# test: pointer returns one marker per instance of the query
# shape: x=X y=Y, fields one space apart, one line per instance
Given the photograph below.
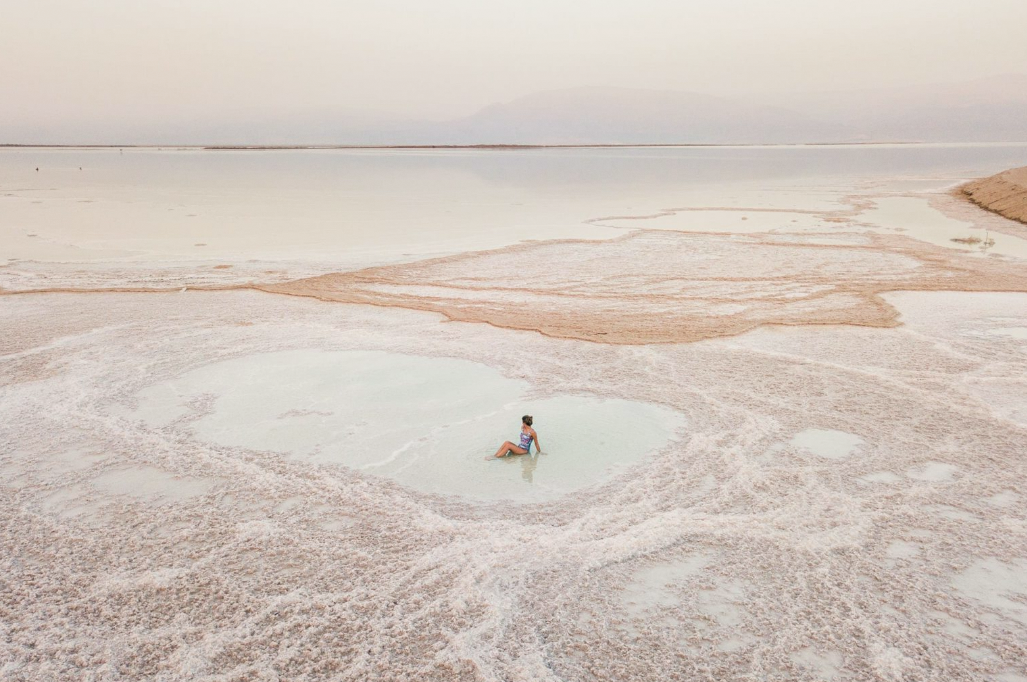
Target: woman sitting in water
x=527 y=435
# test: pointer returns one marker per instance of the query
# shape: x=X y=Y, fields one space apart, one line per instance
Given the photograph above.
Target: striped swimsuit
x=526 y=441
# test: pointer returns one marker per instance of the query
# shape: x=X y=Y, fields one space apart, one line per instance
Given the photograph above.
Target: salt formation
x=660 y=287
x=826 y=483
x=253 y=562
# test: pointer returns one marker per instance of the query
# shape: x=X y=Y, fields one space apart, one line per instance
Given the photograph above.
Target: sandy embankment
x=1004 y=193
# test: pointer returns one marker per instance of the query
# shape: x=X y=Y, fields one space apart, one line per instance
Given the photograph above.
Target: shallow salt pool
x=1010 y=332
x=915 y=217
x=827 y=443
x=428 y=423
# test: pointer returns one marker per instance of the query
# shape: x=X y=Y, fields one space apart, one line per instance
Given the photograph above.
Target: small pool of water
x=827 y=443
x=1010 y=332
x=428 y=423
x=916 y=218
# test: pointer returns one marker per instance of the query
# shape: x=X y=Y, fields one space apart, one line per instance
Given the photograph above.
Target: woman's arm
x=538 y=446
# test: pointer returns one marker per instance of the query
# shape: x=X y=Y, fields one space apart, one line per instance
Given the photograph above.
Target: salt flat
x=240 y=482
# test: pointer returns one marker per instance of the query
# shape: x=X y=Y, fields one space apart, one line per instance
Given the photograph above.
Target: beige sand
x=1004 y=193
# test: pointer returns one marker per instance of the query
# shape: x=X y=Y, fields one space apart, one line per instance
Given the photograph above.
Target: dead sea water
x=791 y=450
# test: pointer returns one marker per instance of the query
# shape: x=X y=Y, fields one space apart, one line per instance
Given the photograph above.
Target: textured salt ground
x=695 y=284
x=717 y=616
x=259 y=565
x=662 y=287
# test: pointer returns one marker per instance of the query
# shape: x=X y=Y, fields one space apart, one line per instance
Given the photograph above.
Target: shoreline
x=1004 y=193
x=301 y=147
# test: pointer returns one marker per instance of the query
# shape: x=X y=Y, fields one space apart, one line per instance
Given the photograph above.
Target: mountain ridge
x=992 y=109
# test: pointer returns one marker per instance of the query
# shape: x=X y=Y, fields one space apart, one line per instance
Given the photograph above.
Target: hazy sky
x=63 y=62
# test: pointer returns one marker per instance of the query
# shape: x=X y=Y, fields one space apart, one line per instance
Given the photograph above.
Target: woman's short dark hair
x=526 y=419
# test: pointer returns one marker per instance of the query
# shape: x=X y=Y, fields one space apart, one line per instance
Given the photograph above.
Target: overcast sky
x=63 y=62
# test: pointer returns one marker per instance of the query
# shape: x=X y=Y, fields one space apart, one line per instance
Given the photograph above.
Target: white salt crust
x=228 y=562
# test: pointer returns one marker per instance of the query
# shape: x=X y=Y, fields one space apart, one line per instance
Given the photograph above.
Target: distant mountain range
x=992 y=110
x=629 y=116
x=986 y=110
